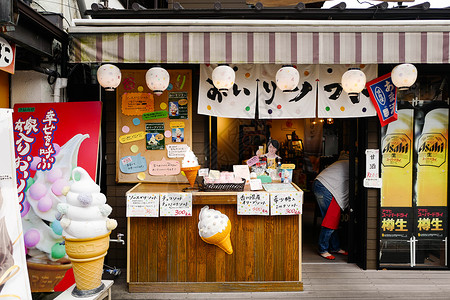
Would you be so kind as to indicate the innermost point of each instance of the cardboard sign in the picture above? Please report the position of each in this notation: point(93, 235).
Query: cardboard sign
point(176, 204)
point(372, 179)
point(253, 203)
point(135, 104)
point(132, 137)
point(133, 164)
point(286, 203)
point(383, 94)
point(142, 205)
point(164, 167)
point(176, 150)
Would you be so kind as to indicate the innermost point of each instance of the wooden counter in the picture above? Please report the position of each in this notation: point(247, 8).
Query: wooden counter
point(166, 254)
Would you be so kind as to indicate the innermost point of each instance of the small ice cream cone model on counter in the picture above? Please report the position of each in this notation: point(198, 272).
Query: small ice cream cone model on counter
point(190, 166)
point(86, 230)
point(214, 228)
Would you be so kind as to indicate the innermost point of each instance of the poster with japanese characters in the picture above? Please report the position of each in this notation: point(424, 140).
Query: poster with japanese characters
point(334, 102)
point(46, 133)
point(154, 136)
point(238, 102)
point(14, 283)
point(142, 205)
point(383, 94)
point(253, 203)
point(289, 203)
point(175, 204)
point(276, 104)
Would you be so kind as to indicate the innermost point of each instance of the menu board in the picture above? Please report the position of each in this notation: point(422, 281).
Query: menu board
point(142, 205)
point(253, 203)
point(286, 203)
point(175, 204)
point(152, 131)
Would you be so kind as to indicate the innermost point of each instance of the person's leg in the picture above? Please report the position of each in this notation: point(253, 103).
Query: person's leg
point(323, 196)
point(324, 239)
point(334, 242)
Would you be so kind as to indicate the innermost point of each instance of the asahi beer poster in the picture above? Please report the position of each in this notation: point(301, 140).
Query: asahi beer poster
point(397, 175)
point(432, 173)
point(14, 283)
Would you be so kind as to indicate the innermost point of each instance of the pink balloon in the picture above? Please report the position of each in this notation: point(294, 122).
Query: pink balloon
point(58, 186)
point(37, 191)
point(57, 148)
point(34, 162)
point(54, 174)
point(32, 238)
point(26, 208)
point(45, 204)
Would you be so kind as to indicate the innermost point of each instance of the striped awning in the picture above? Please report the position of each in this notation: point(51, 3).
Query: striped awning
point(293, 42)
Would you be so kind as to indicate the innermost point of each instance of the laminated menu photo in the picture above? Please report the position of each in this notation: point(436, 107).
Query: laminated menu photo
point(154, 136)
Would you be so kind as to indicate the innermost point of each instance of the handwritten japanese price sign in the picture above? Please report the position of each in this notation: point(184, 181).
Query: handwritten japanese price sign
point(142, 205)
point(250, 203)
point(286, 203)
point(372, 179)
point(175, 204)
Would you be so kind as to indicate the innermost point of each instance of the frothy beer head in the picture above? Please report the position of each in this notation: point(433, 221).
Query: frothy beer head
point(436, 121)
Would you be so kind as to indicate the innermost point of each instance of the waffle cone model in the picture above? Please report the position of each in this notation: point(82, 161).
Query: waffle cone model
point(87, 256)
point(191, 174)
point(44, 277)
point(221, 239)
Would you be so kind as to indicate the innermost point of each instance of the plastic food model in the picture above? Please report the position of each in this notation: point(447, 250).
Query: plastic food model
point(86, 229)
point(190, 166)
point(44, 242)
point(214, 228)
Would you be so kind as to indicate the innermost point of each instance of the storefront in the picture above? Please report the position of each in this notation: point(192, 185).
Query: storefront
point(161, 250)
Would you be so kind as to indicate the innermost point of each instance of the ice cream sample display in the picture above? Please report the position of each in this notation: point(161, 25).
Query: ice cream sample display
point(214, 228)
point(190, 166)
point(43, 193)
point(86, 229)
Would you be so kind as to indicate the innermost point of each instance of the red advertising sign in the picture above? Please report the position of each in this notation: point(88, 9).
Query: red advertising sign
point(55, 137)
point(7, 56)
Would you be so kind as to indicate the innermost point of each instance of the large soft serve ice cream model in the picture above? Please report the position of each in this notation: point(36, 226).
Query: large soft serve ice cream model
point(86, 230)
point(190, 166)
point(214, 228)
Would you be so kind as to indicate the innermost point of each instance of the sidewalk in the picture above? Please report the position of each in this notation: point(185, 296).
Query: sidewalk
point(331, 280)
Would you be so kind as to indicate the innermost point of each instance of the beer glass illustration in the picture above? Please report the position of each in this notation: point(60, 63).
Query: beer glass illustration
point(397, 171)
point(432, 164)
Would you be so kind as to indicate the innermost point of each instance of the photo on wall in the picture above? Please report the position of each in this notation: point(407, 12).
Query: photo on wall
point(155, 136)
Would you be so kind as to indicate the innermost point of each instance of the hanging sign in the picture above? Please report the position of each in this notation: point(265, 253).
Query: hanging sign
point(253, 203)
point(372, 179)
point(383, 94)
point(286, 203)
point(142, 205)
point(7, 56)
point(176, 204)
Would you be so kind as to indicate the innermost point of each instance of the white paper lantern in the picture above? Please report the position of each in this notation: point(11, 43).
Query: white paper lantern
point(109, 76)
point(157, 79)
point(404, 75)
point(223, 77)
point(353, 81)
point(287, 78)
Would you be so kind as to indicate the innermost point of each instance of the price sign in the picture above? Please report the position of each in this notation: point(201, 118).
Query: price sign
point(142, 205)
point(253, 203)
point(286, 203)
point(372, 169)
point(175, 204)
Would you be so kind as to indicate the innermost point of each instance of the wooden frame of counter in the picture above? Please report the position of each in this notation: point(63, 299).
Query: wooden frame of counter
point(267, 255)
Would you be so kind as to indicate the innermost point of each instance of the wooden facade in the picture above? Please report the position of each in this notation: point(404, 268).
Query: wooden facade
point(166, 253)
